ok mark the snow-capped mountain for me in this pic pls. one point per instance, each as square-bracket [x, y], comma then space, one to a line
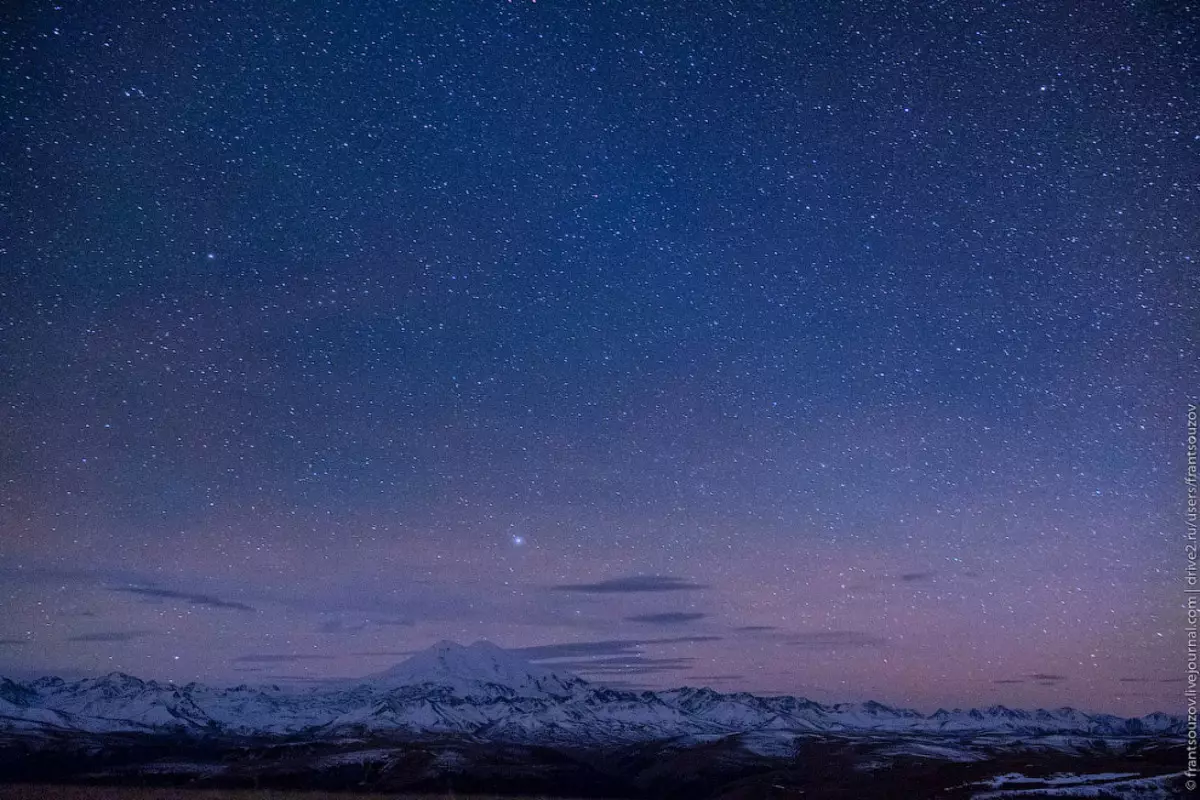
[484, 691]
[478, 670]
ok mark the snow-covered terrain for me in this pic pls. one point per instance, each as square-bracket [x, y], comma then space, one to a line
[1161, 787]
[485, 691]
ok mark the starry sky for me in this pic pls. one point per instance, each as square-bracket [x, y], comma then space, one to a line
[838, 349]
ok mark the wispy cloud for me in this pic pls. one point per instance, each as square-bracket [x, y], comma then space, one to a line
[667, 618]
[914, 577]
[110, 636]
[633, 583]
[755, 628]
[604, 647]
[154, 593]
[13, 642]
[834, 639]
[339, 626]
[79, 576]
[279, 658]
[624, 665]
[1046, 677]
[577, 649]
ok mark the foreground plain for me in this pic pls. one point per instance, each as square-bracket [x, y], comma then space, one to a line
[50, 792]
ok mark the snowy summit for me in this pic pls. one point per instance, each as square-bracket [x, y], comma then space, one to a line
[477, 669]
[478, 688]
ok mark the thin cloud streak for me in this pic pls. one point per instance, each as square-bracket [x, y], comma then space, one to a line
[633, 584]
[280, 658]
[110, 636]
[208, 600]
[834, 639]
[668, 618]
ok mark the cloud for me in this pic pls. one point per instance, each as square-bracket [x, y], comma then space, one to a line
[667, 618]
[279, 659]
[115, 581]
[1045, 678]
[153, 593]
[338, 626]
[577, 649]
[914, 577]
[624, 665]
[633, 583]
[40, 574]
[110, 636]
[611, 657]
[342, 625]
[13, 642]
[604, 647]
[834, 639]
[755, 628]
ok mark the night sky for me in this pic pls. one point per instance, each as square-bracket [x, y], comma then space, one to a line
[835, 349]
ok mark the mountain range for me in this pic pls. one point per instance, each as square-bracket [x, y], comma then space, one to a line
[486, 692]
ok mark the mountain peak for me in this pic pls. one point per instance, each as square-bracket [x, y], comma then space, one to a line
[481, 667]
[119, 677]
[478, 687]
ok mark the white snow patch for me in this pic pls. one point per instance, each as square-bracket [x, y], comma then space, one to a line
[450, 760]
[1095, 785]
[182, 768]
[770, 743]
[353, 757]
[940, 752]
